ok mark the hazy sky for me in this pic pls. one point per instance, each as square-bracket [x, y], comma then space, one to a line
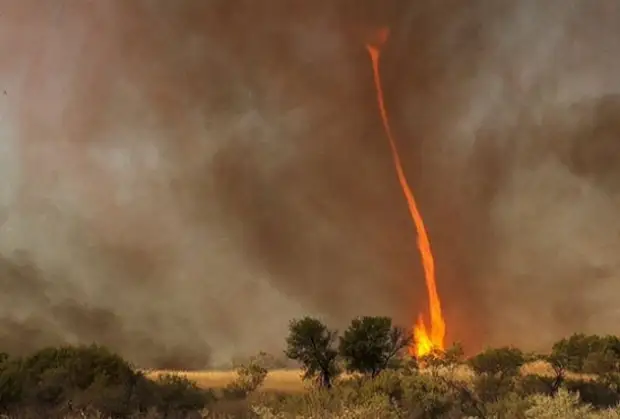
[180, 179]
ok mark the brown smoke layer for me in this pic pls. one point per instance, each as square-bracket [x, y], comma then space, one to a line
[180, 178]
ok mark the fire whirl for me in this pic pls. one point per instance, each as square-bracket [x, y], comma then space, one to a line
[425, 341]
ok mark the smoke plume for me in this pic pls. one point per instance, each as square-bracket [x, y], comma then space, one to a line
[179, 179]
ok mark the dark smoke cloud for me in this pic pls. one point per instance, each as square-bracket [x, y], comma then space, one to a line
[179, 179]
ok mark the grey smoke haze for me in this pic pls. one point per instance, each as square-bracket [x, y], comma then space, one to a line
[179, 179]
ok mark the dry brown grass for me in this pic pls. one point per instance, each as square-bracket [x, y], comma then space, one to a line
[277, 380]
[289, 381]
[544, 369]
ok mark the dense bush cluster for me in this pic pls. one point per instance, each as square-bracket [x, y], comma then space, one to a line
[58, 382]
[365, 372]
[579, 378]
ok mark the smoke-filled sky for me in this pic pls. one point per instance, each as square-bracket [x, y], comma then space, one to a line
[178, 179]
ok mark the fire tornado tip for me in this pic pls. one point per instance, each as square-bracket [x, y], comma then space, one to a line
[379, 37]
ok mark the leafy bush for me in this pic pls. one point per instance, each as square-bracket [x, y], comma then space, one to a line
[175, 394]
[504, 362]
[496, 371]
[427, 396]
[250, 377]
[531, 384]
[55, 381]
[564, 405]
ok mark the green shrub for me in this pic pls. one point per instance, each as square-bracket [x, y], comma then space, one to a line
[11, 384]
[56, 381]
[564, 405]
[512, 405]
[427, 396]
[388, 383]
[76, 377]
[337, 403]
[504, 362]
[496, 370]
[175, 394]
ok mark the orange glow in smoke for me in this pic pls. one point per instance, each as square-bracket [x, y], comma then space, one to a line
[425, 340]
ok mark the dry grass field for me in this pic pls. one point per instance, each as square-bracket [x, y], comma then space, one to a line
[290, 380]
[277, 380]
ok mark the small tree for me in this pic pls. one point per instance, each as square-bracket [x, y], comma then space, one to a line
[250, 376]
[570, 354]
[591, 354]
[371, 344]
[604, 360]
[561, 360]
[311, 343]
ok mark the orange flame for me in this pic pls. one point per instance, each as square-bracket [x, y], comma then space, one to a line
[424, 342]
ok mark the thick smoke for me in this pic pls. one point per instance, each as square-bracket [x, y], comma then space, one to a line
[514, 106]
[179, 179]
